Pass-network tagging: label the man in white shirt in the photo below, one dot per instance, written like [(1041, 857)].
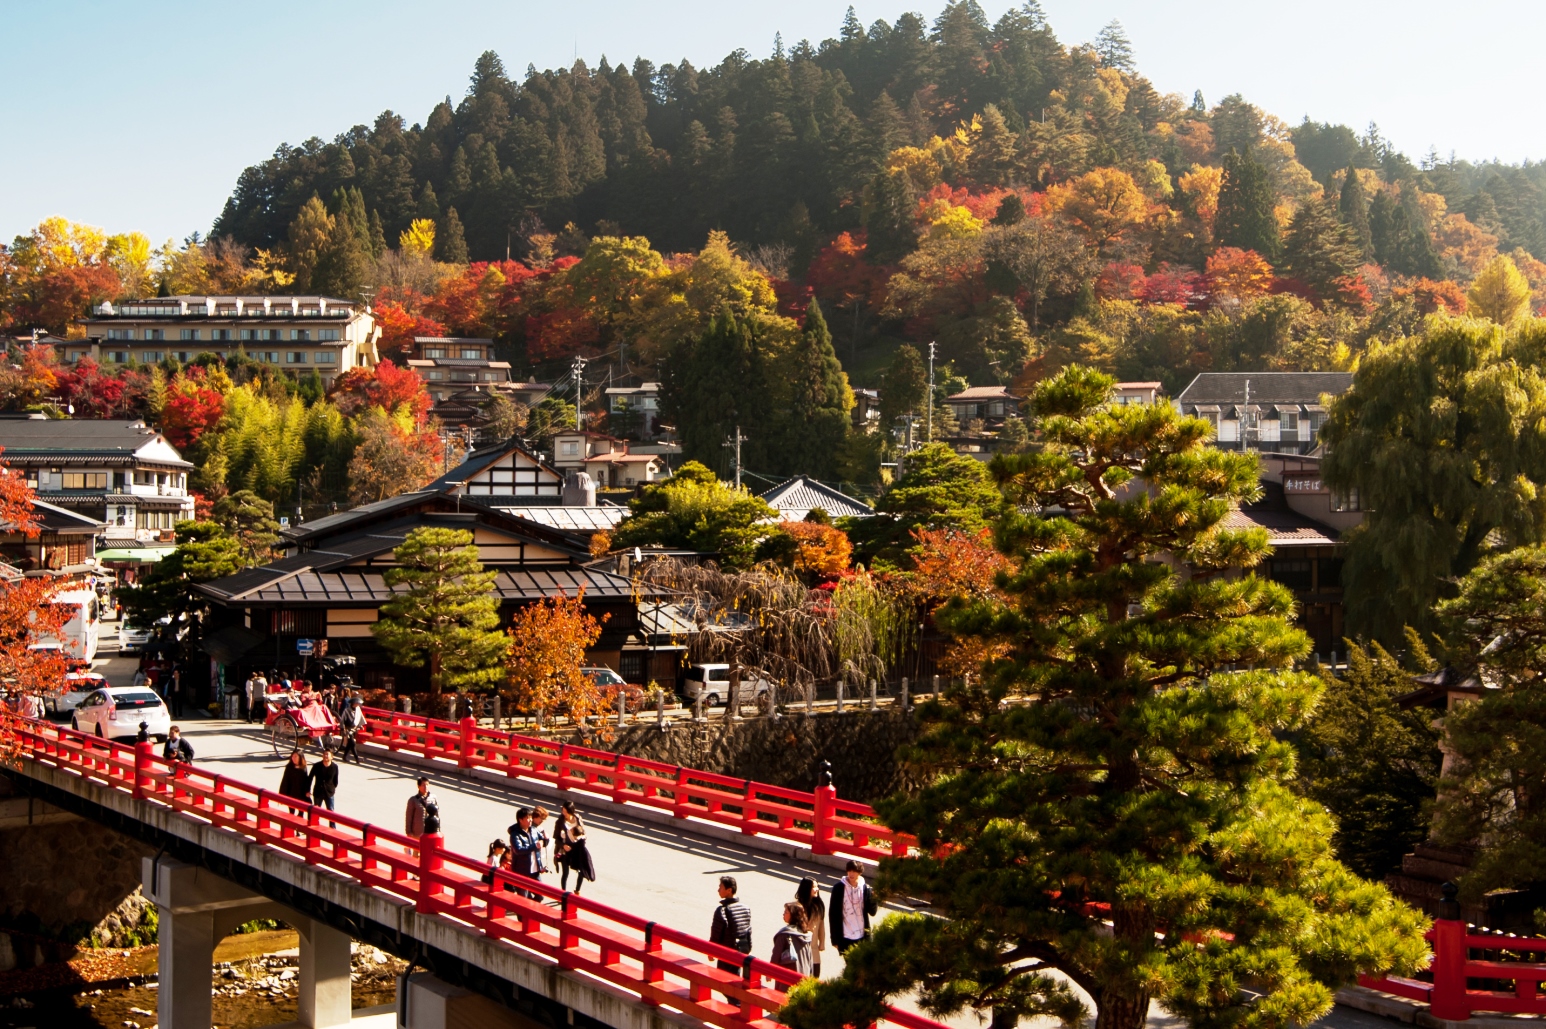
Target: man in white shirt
[(849, 910)]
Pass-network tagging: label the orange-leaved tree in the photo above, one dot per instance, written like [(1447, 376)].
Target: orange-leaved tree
[(954, 563), (548, 641), (820, 550), (27, 612)]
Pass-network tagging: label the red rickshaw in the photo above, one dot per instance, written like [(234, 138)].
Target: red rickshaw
[(295, 720)]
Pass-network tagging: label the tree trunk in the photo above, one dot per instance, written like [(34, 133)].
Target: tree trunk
[(1121, 1006), (434, 675)]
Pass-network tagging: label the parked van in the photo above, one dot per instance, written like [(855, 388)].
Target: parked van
[(712, 682), (78, 641)]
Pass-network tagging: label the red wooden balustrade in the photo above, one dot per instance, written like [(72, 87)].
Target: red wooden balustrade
[(664, 966), (1451, 996), (814, 818)]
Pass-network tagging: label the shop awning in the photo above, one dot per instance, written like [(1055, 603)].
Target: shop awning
[(136, 555)]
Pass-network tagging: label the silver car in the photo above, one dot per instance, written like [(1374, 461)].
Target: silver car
[(131, 638), (115, 713), (712, 682)]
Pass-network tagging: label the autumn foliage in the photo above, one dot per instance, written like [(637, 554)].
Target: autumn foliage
[(821, 550), (548, 641)]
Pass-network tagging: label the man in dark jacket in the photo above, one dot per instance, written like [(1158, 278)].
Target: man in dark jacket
[(324, 782), (732, 926), (849, 910), (177, 748)]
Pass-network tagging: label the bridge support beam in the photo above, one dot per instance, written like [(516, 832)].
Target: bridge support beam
[(198, 909), (427, 1002), (324, 975)]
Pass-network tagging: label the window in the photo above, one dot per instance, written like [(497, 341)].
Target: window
[(295, 357), (300, 334), (327, 335), (1346, 501), (436, 375), (472, 353), (1331, 573), (1296, 575), (490, 376), (247, 334), (118, 357), (298, 623), (269, 357), (83, 480), (220, 334), (434, 353), (631, 665), (327, 357), (120, 333), (1288, 426), (183, 355), (151, 357), (571, 449), (154, 334), (188, 334)]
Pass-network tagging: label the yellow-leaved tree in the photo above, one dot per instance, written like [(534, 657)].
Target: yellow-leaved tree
[(1500, 292), (418, 239)]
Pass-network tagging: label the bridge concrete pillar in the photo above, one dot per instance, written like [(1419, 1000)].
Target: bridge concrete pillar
[(427, 1002), (324, 977), (198, 909)]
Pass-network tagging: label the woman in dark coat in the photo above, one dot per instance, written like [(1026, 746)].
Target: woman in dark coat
[(570, 850), (297, 780)]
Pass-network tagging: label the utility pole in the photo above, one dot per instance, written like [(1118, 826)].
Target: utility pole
[(930, 400), (578, 368), (735, 444)]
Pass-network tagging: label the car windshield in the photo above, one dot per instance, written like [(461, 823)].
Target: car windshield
[(605, 676), (134, 701)]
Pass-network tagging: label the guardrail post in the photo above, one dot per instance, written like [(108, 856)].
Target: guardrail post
[(1448, 1000), (935, 694), (748, 809), (660, 710), (840, 686), (430, 862), (904, 693), (144, 754), (469, 726), (619, 788), (679, 800), (562, 769), (821, 821), (873, 701), (498, 703)]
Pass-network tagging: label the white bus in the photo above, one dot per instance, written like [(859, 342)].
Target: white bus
[(79, 641)]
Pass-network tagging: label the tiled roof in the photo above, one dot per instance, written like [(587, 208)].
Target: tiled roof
[(983, 393), (572, 519), (797, 497), (109, 437), (1285, 526), (351, 586), (1266, 387), (57, 519)]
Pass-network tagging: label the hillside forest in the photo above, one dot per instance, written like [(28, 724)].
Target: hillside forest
[(1017, 201)]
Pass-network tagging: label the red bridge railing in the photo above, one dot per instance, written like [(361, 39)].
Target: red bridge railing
[(1510, 986), (816, 818), (665, 967)]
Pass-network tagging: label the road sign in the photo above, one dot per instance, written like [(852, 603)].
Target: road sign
[(305, 648)]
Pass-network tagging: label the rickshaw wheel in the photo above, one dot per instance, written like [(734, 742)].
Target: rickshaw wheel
[(286, 736)]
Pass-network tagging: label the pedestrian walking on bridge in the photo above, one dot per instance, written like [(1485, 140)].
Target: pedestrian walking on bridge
[(809, 896), (732, 926), (571, 849), (853, 902), (324, 782), (423, 815)]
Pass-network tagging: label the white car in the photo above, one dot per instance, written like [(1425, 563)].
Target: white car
[(712, 682), (77, 687), (131, 638), (115, 713)]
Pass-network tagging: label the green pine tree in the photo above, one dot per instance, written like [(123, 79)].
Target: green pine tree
[(904, 387), (450, 243), (248, 519), (429, 204), (448, 617), (378, 243), (716, 383), (1245, 216), (1108, 800), (1319, 249), (816, 420), (1353, 205)]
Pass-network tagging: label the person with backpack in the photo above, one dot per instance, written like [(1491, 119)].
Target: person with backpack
[(732, 926), (423, 814), (525, 851), (177, 748), (852, 904), (792, 942)]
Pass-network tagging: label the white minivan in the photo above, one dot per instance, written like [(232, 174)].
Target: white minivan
[(712, 682)]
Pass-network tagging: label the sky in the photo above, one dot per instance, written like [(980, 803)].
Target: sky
[(141, 116)]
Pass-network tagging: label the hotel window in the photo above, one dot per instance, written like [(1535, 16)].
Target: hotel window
[(151, 357), (83, 480), (327, 335), (118, 357), (327, 357), (154, 334), (188, 334), (184, 356), (220, 334), (309, 312), (269, 357), (120, 333), (295, 357), (248, 334), (300, 334)]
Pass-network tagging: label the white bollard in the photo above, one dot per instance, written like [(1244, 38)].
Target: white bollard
[(840, 685), (873, 701), (904, 693)]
